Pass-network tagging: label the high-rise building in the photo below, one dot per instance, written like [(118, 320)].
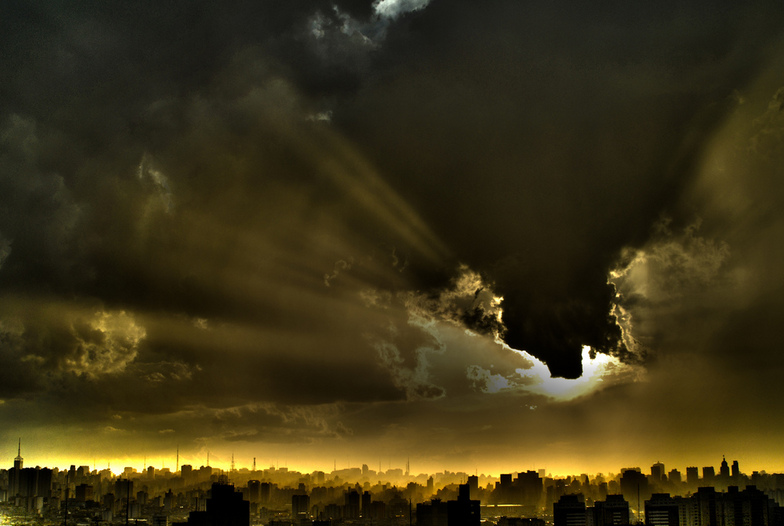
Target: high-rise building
[(531, 488), (433, 513), (265, 492), (225, 507), (254, 491), (83, 493), (634, 487), (19, 461), (692, 475), (657, 472), (661, 510), (463, 511), (569, 511), (366, 501), (300, 506), (613, 511), (473, 483), (15, 473), (724, 470), (352, 500)]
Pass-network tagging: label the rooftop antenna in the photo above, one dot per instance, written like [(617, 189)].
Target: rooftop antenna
[(177, 466), (254, 463), (232, 461), (208, 459)]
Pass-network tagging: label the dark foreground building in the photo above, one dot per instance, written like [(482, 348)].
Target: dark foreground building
[(225, 507), (460, 512)]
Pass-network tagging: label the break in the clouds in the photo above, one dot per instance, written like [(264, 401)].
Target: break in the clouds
[(362, 224)]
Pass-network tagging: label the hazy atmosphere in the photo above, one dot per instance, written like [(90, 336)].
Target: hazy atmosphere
[(490, 235)]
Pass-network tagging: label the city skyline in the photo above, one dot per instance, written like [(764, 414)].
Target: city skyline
[(472, 236), (258, 464)]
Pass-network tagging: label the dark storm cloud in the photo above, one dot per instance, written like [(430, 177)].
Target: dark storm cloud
[(159, 166), (541, 140), (247, 221)]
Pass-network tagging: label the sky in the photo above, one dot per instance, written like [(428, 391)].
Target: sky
[(481, 236)]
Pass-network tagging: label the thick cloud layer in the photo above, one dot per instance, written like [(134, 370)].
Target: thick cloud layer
[(335, 223)]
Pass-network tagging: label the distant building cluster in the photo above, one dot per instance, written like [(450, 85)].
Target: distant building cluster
[(749, 507), (206, 496)]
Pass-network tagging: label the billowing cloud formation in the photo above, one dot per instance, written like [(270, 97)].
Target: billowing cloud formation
[(671, 272), (379, 222), (394, 8)]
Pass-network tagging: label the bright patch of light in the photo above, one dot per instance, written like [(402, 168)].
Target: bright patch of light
[(539, 381), (393, 8)]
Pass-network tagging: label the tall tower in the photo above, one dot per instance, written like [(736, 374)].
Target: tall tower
[(724, 470), (18, 461)]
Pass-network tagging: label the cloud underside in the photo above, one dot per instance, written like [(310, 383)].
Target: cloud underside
[(338, 224)]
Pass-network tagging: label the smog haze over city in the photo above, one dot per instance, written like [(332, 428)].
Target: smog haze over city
[(481, 236)]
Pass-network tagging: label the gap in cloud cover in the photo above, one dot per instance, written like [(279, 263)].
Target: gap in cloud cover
[(461, 328)]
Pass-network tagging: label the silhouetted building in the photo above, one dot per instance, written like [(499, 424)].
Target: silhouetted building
[(473, 484), (300, 506), (724, 470), (463, 511), (365, 508), (661, 510), (613, 511), (708, 474), (657, 472), (504, 491), (265, 492), (225, 507), (692, 475), (634, 487), (569, 511), (460, 512), (254, 491), (15, 473), (123, 488), (83, 493), (27, 485), (351, 510), (18, 460), (706, 512), (531, 487), (433, 513)]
